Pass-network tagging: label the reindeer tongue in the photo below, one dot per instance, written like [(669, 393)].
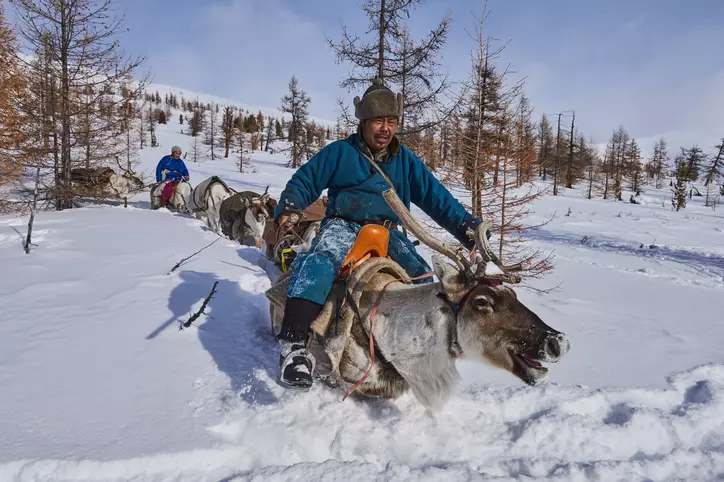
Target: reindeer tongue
[(530, 362)]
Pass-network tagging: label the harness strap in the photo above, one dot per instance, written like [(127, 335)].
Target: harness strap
[(455, 349), (390, 225), (372, 339)]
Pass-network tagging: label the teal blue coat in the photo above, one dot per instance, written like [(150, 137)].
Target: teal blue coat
[(355, 187)]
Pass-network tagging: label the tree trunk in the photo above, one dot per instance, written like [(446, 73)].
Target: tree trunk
[(556, 173), (569, 173), (65, 201), (381, 45)]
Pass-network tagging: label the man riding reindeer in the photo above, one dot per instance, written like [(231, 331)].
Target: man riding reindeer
[(355, 199), (171, 168)]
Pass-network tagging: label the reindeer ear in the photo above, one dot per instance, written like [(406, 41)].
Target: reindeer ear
[(451, 279), (444, 271)]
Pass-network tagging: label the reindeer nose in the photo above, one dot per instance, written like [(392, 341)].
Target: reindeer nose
[(556, 346)]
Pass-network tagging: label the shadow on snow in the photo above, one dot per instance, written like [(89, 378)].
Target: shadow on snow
[(235, 330)]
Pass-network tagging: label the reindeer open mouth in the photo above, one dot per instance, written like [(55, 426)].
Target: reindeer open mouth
[(527, 369), (528, 366)]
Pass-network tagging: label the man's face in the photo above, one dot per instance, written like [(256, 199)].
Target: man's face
[(378, 132), (175, 154)]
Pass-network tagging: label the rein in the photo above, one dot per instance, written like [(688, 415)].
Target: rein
[(454, 349), (372, 318)]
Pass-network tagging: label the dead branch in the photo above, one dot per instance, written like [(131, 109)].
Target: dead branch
[(178, 265), (202, 309)]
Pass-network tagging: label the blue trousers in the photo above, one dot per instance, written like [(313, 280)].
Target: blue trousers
[(314, 272)]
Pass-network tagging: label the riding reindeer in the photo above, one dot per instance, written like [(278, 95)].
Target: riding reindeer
[(384, 336), (179, 200)]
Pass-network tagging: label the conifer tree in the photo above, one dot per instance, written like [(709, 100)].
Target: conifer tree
[(658, 163), (403, 64), (211, 130), (13, 94), (227, 127), (525, 143), (713, 172), (678, 199), (269, 132), (633, 167), (546, 143), (80, 39), (296, 103)]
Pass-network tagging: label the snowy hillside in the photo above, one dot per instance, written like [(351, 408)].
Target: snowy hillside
[(97, 382), (163, 89)]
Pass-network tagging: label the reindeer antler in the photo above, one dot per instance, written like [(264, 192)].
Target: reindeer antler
[(456, 252), (486, 253), (451, 251)]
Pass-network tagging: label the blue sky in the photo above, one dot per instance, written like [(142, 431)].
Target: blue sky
[(653, 66)]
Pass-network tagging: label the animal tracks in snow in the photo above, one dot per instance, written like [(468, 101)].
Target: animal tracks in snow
[(680, 265)]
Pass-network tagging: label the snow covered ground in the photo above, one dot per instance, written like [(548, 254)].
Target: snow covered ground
[(97, 383)]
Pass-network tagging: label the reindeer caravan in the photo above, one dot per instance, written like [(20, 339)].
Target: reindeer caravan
[(240, 216), (359, 308)]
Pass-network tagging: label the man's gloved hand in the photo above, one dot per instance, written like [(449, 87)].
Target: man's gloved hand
[(469, 223), (289, 220)]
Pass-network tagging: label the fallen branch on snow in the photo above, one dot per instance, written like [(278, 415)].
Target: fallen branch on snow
[(189, 257), (201, 310)]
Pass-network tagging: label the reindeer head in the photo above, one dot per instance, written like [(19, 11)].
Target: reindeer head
[(492, 324), (260, 207), (495, 327)]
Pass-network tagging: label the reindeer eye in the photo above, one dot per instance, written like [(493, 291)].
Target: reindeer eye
[(481, 302)]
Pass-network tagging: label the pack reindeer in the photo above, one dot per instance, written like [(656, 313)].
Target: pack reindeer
[(206, 199), (244, 215), (389, 336), (104, 182)]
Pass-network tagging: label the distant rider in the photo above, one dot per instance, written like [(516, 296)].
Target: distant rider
[(171, 168)]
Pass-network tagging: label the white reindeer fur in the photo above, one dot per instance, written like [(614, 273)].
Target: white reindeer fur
[(181, 197), (417, 341), (121, 186), (217, 192), (256, 226)]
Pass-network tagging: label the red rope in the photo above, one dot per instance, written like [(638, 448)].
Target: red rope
[(372, 340)]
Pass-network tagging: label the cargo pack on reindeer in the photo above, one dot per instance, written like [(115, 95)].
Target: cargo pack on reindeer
[(362, 302)]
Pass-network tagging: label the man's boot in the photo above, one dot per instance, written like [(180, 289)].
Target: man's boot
[(296, 364)]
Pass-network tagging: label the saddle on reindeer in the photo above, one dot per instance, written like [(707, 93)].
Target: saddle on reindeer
[(380, 335), (171, 193)]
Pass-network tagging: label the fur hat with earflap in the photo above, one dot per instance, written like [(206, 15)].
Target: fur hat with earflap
[(378, 101)]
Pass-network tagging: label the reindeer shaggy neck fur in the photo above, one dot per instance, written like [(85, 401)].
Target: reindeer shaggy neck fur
[(255, 225), (416, 341)]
